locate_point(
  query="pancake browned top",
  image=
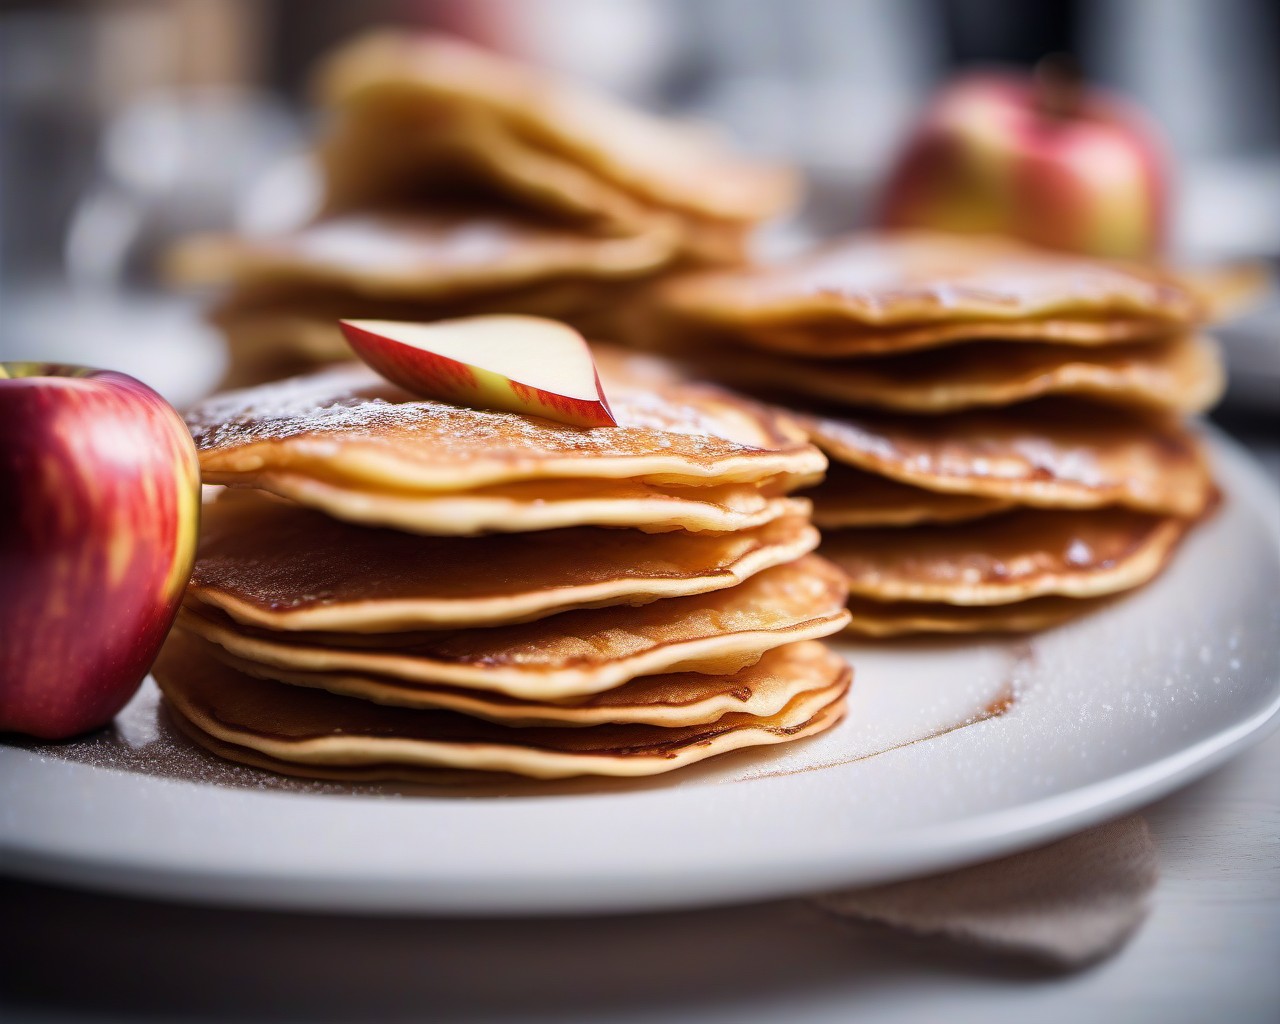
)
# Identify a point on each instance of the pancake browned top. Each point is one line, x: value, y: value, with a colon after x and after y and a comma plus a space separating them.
x: 347, y: 425
x: 879, y: 293
x: 438, y: 256
x: 1010, y: 557
x: 1053, y: 453
x: 574, y: 653
x: 276, y: 564
x: 1180, y: 375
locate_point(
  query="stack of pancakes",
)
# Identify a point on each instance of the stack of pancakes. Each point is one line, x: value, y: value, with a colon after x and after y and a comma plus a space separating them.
x: 458, y: 182
x: 399, y: 588
x: 1005, y: 425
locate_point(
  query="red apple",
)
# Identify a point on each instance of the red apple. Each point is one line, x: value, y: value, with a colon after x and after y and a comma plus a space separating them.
x: 99, y: 510
x: 1039, y: 157
x: 516, y: 363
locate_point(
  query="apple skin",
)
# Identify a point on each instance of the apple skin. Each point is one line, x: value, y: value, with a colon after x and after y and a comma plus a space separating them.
x: 1083, y: 172
x: 431, y: 375
x: 99, y: 513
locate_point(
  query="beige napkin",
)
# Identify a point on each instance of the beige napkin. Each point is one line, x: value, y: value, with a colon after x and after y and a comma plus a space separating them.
x: 1066, y: 905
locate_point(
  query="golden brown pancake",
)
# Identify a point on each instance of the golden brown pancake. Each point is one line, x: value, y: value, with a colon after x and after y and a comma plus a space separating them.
x: 572, y: 654
x: 1180, y: 375
x: 881, y: 293
x: 282, y: 566
x: 313, y: 733
x: 438, y: 256
x: 899, y: 618
x: 1053, y: 453
x: 1010, y: 557
x: 413, y: 108
x: 674, y: 699
x: 367, y: 163
x: 540, y: 505
x: 347, y: 425
x: 854, y: 497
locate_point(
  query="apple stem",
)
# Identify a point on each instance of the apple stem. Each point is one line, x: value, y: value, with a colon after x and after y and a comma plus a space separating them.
x: 1058, y: 86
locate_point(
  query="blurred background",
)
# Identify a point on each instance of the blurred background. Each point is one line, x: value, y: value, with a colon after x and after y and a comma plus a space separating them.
x: 125, y: 124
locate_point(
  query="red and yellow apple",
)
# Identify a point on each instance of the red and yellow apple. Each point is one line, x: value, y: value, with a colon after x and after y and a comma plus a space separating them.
x: 522, y: 364
x: 99, y: 510
x: 1042, y: 158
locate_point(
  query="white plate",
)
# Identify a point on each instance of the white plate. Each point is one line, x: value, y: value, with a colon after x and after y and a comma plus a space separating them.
x: 1102, y: 715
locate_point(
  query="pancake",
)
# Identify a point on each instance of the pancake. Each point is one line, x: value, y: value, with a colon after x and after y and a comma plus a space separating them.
x: 438, y: 256
x: 348, y: 426
x: 1052, y: 453
x: 366, y: 162
x: 534, y: 505
x: 572, y: 654
x: 899, y: 618
x: 1010, y: 557
x: 322, y: 735
x: 410, y: 105
x: 883, y: 293
x: 1181, y: 375
x: 281, y: 566
x: 853, y: 497
x: 671, y: 700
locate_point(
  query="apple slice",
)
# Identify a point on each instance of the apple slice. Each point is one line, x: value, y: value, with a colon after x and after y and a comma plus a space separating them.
x: 516, y: 363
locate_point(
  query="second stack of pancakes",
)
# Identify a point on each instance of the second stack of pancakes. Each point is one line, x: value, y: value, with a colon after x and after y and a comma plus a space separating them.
x: 395, y: 588
x: 1005, y: 425
x: 458, y: 182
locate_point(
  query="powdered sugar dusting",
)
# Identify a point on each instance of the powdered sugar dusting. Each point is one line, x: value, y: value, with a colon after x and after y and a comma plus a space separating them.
x: 876, y: 278
x: 352, y: 404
